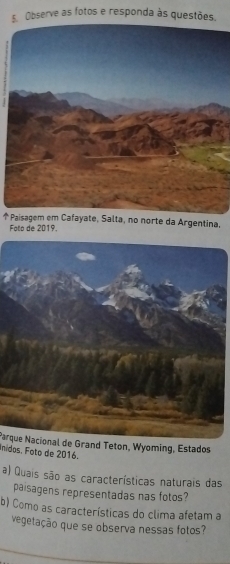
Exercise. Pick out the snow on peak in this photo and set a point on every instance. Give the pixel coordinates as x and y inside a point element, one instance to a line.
<point>22,283</point>
<point>168,283</point>
<point>130,282</point>
<point>102,288</point>
<point>133,269</point>
<point>7,275</point>
<point>132,276</point>
<point>204,300</point>
<point>194,299</point>
<point>82,284</point>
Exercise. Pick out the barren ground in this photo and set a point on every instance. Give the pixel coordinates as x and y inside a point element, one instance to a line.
<point>159,183</point>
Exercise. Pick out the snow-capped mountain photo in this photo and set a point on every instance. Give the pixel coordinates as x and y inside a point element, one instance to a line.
<point>136,307</point>
<point>113,338</point>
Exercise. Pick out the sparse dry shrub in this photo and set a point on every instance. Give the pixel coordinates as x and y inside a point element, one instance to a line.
<point>26,396</point>
<point>104,410</point>
<point>10,393</point>
<point>62,400</point>
<point>42,423</point>
<point>34,408</point>
<point>92,405</point>
<point>139,401</point>
<point>86,404</point>
<point>9,401</point>
<point>64,421</point>
<point>50,399</point>
<point>15,418</point>
<point>106,427</point>
<point>39,396</point>
<point>118,412</point>
<point>140,429</point>
<point>90,425</point>
<point>87,415</point>
<point>49,402</point>
<point>4,392</point>
<point>70,404</point>
<point>12,419</point>
<point>200,422</point>
<point>45,397</point>
<point>168,414</point>
<point>152,404</point>
<point>173,420</point>
<point>148,430</point>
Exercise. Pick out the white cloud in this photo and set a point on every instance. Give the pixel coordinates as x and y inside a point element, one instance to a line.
<point>85,256</point>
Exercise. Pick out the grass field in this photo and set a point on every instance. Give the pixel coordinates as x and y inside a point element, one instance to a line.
<point>208,155</point>
<point>147,417</point>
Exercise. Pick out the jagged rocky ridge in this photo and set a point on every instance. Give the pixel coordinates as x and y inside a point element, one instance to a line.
<point>127,312</point>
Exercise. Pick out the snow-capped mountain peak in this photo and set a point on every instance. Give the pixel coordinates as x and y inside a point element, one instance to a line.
<point>130,282</point>
<point>8,275</point>
<point>129,293</point>
<point>133,269</point>
<point>168,283</point>
<point>20,284</point>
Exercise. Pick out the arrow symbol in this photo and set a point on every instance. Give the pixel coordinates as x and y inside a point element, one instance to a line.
<point>5,215</point>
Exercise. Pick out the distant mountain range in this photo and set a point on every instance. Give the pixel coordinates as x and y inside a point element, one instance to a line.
<point>213,109</point>
<point>127,312</point>
<point>35,102</point>
<point>76,99</point>
<point>115,106</point>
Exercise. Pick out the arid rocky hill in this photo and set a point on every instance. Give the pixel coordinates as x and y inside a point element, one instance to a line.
<point>40,127</point>
<point>187,127</point>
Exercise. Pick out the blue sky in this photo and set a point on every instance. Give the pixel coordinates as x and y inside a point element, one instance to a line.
<point>186,267</point>
<point>187,67</point>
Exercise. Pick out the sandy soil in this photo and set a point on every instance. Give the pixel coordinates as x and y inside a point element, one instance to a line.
<point>165,183</point>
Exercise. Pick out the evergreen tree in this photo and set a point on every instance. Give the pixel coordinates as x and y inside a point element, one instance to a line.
<point>57,377</point>
<point>177,383</point>
<point>211,399</point>
<point>27,375</point>
<point>169,385</point>
<point>219,394</point>
<point>111,397</point>
<point>10,353</point>
<point>9,379</point>
<point>127,401</point>
<point>189,401</point>
<point>151,386</point>
<point>188,382</point>
<point>139,385</point>
<point>158,371</point>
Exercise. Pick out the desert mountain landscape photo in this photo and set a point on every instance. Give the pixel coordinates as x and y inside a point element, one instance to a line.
<point>119,117</point>
<point>111,338</point>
